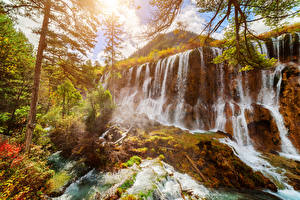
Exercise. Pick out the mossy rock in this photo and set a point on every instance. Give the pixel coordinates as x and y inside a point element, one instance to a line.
<point>201,156</point>
<point>57,183</point>
<point>133,160</point>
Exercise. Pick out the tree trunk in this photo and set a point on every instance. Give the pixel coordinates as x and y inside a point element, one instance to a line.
<point>64,104</point>
<point>37,74</point>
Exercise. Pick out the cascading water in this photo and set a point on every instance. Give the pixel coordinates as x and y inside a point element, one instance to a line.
<point>152,179</point>
<point>163,97</point>
<point>242,143</point>
<point>270,100</point>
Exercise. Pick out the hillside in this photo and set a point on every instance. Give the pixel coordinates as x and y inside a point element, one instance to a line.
<point>164,41</point>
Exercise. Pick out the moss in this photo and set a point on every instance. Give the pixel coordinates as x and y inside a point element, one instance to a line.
<point>133,160</point>
<point>59,180</point>
<point>128,183</point>
<point>161,157</point>
<point>141,150</point>
<point>194,153</point>
<point>143,195</point>
<point>157,137</point>
<point>129,197</point>
<point>133,139</point>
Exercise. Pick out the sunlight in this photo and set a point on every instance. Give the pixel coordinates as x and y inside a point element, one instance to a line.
<point>111,6</point>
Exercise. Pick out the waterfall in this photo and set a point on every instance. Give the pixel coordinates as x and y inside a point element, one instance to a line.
<point>181,86</point>
<point>269,99</point>
<point>276,46</point>
<point>138,73</point>
<point>220,104</point>
<point>162,95</point>
<point>228,97</point>
<point>242,144</point>
<point>130,76</point>
<point>147,81</point>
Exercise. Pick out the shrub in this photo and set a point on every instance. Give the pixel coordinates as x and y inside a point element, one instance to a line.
<point>77,134</point>
<point>22,177</point>
<point>66,133</point>
<point>99,107</point>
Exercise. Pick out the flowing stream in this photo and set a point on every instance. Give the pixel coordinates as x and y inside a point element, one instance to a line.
<point>151,180</point>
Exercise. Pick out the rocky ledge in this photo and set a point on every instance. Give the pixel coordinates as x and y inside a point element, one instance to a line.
<point>201,156</point>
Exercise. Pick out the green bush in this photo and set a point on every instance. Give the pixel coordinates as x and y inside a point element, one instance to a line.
<point>246,58</point>
<point>4,117</point>
<point>99,107</point>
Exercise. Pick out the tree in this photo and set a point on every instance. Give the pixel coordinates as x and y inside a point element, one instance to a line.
<point>68,32</point>
<point>16,65</point>
<point>99,110</point>
<point>239,12</point>
<point>114,37</point>
<point>113,31</point>
<point>68,96</point>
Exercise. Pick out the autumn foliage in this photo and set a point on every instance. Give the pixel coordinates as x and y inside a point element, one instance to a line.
<point>10,153</point>
<point>21,177</point>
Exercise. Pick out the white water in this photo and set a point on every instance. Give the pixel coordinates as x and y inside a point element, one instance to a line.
<point>158,178</point>
<point>242,145</point>
<point>153,177</point>
<point>269,99</point>
<point>220,104</point>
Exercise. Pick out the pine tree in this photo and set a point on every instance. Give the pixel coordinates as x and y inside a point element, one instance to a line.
<point>114,37</point>
<point>113,31</point>
<point>16,65</point>
<point>68,33</point>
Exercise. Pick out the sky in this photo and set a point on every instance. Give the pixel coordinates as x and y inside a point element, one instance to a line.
<point>134,21</point>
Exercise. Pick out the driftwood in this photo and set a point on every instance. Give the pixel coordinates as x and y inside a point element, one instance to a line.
<point>104,134</point>
<point>195,167</point>
<point>123,137</point>
<point>181,190</point>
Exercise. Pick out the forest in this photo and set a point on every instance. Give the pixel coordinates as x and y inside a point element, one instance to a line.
<point>149,99</point>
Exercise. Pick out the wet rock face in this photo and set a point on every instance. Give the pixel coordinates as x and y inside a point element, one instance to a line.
<point>287,45</point>
<point>290,102</point>
<point>263,129</point>
<point>201,83</point>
